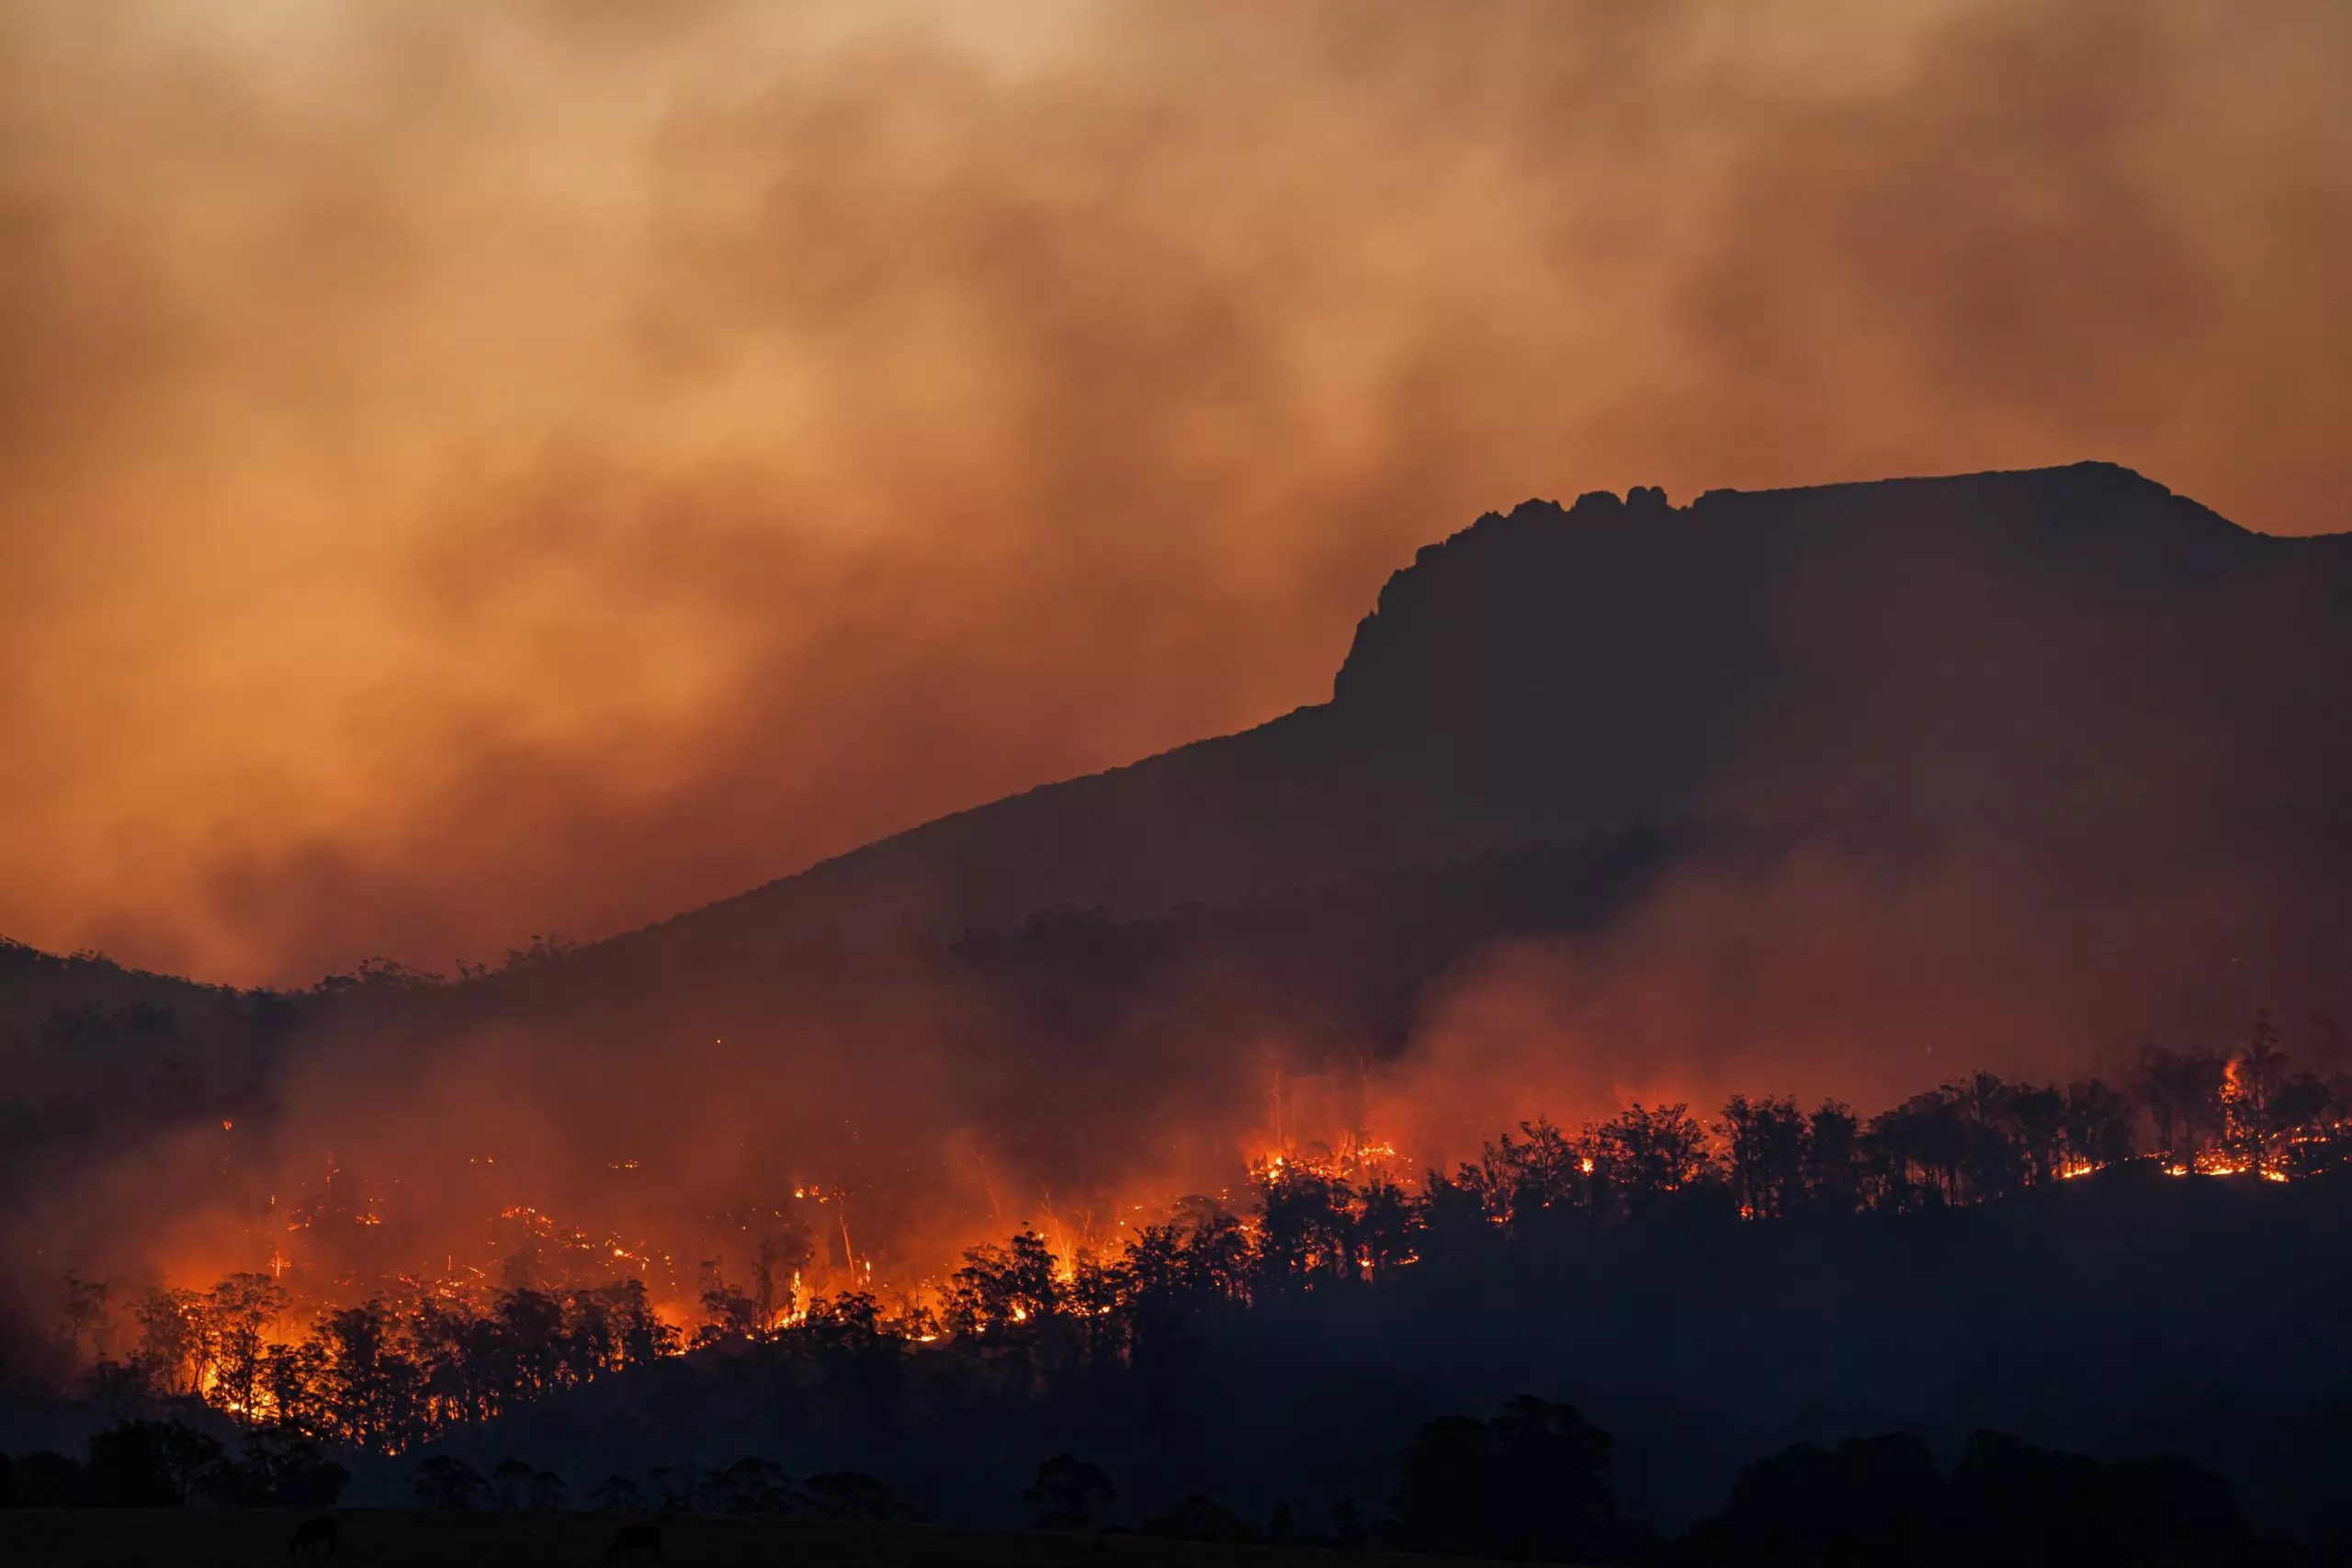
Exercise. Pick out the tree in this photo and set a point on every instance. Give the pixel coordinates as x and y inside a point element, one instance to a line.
<point>640,1338</point>
<point>1767,1143</point>
<point>1994,1160</point>
<point>2037,1118</point>
<point>47,1479</point>
<point>1530,1182</point>
<point>775,1274</point>
<point>1455,1225</point>
<point>172,1353</point>
<point>1347,1524</point>
<point>2255,1080</point>
<point>1000,1286</point>
<point>512,1480</point>
<point>2304,1101</point>
<point>616,1495</point>
<point>2096,1124</point>
<point>1832,1159</point>
<point>1534,1482</point>
<point>373,1386</point>
<point>237,1313</point>
<point>1068,1494</point>
<point>531,1339</point>
<point>1306,1228</point>
<point>283,1468</point>
<point>153,1464</point>
<point>446,1482</point>
<point>293,1377</point>
<point>290,1470</point>
<point>731,1313</point>
<point>1869,1502</point>
<point>852,1496</point>
<point>1200,1518</point>
<point>1386,1225</point>
<point>1647,1153</point>
<point>2203,1074</point>
<point>749,1486</point>
<point>1923,1147</point>
<point>2012,1502</point>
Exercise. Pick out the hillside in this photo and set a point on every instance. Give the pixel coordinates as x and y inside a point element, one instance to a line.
<point>2016,650</point>
<point>1835,791</point>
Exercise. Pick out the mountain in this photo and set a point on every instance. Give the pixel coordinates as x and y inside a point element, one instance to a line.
<point>1839,790</point>
<point>2035,653</point>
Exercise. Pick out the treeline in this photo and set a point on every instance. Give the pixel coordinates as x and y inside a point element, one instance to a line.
<point>170,1465</point>
<point>1533,1483</point>
<point>390,1375</point>
<point>382,1375</point>
<point>1320,1221</point>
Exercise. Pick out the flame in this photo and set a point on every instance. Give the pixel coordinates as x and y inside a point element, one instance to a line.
<point>331,1247</point>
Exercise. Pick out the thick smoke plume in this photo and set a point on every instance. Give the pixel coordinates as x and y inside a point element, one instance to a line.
<point>470,472</point>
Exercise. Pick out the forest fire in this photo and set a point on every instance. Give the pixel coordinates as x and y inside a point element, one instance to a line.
<point>334,1337</point>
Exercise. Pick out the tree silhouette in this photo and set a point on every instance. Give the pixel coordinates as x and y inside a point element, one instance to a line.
<point>1306,1227</point>
<point>2259,1078</point>
<point>2203,1121</point>
<point>1646,1153</point>
<point>2037,1119</point>
<point>1386,1226</point>
<point>237,1313</point>
<point>511,1480</point>
<point>1067,1494</point>
<point>2038,1507</point>
<point>852,1496</point>
<point>782,1254</point>
<point>1766,1143</point>
<point>616,1495</point>
<point>153,1464</point>
<point>447,1482</point>
<point>1832,1159</point>
<point>1869,1502</point>
<point>1534,1482</point>
<point>2096,1124</point>
<point>288,1469</point>
<point>749,1486</point>
<point>374,1386</point>
<point>1200,1518</point>
<point>172,1354</point>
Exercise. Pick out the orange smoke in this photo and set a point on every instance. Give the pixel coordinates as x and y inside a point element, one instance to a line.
<point>470,472</point>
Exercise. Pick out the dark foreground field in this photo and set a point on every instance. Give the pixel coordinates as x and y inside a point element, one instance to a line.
<point>171,1537</point>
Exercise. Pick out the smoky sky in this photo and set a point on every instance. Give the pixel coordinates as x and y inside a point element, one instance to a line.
<point>474,471</point>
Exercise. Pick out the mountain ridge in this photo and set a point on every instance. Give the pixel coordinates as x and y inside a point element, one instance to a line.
<point>1342,799</point>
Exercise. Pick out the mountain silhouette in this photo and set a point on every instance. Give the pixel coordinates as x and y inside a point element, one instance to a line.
<point>2063,651</point>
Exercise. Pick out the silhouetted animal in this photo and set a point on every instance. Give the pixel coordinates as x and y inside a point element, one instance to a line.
<point>315,1536</point>
<point>633,1543</point>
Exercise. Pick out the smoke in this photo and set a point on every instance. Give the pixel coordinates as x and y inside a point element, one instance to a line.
<point>465,474</point>
<point>546,465</point>
<point>1829,969</point>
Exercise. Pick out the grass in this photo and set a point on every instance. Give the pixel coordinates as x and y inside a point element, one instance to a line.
<point>135,1537</point>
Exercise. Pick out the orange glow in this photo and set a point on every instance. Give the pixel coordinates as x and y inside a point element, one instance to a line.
<point>570,525</point>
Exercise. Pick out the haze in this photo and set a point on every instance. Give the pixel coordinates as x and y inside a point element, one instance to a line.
<point>468,472</point>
